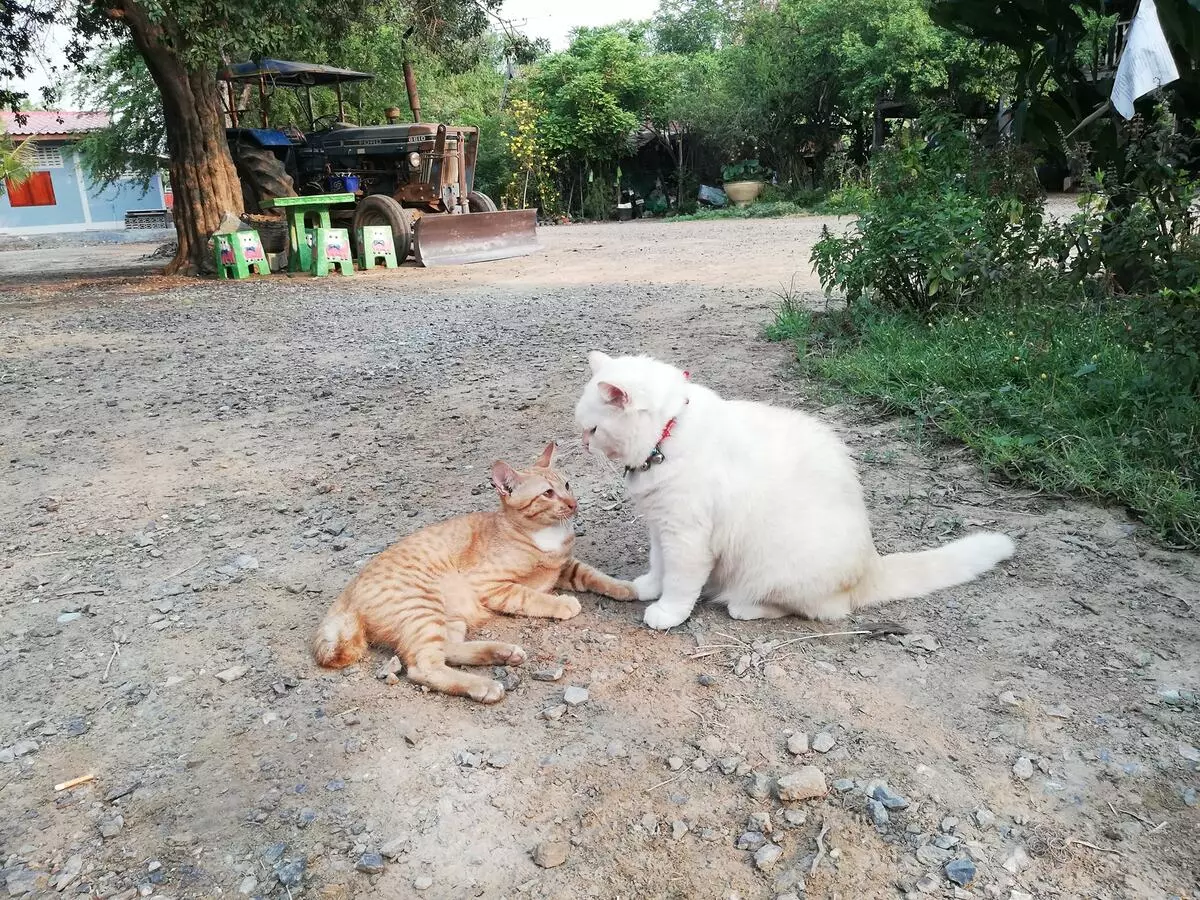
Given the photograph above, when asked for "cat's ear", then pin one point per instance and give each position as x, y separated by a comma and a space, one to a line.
547, 457
597, 359
504, 479
613, 395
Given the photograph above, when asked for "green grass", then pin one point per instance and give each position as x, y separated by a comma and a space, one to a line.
1056, 395
764, 210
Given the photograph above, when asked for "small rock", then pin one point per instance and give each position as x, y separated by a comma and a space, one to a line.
67, 617
247, 885
843, 785
1016, 861
468, 760
807, 783
1008, 698
750, 840
711, 745
509, 678
707, 681
949, 823
1125, 831
742, 666
233, 673
823, 742
679, 828
767, 856
926, 642
245, 562
141, 539
554, 713
305, 817
1023, 768
888, 799
550, 854
391, 678
729, 764
929, 883
795, 817
392, 667
879, 814
930, 855
422, 883
395, 847
273, 853
797, 743
1061, 711
759, 786
370, 863
701, 763
1019, 895
111, 826
551, 673
1190, 753
290, 872
617, 750
961, 871
674, 763
984, 817
575, 696
70, 871
759, 821
23, 748
21, 881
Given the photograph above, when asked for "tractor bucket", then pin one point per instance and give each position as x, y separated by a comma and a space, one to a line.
450, 240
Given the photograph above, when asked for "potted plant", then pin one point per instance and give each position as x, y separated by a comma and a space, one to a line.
744, 181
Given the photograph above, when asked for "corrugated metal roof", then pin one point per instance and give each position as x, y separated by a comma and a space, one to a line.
50, 122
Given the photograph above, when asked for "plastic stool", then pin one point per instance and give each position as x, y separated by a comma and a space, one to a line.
376, 246
333, 249
239, 255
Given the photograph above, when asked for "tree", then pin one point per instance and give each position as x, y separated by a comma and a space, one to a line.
183, 42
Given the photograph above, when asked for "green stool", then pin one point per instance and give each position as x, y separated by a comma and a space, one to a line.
376, 246
237, 254
332, 249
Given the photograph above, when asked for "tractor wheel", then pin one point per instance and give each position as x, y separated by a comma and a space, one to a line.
262, 175
477, 201
380, 209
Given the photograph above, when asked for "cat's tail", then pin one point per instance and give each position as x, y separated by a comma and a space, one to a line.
341, 640
903, 575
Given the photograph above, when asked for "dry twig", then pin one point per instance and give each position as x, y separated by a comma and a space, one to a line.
820, 848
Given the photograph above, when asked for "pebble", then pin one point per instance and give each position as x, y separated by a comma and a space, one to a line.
553, 673
1061, 711
843, 785
111, 827
806, 783
797, 743
929, 884
795, 817
67, 617
678, 829
961, 871
742, 666
759, 821
70, 871
711, 745
823, 742
554, 713
707, 681
949, 823
290, 872
1190, 753
370, 863
674, 763
575, 696
21, 881
701, 763
1023, 768
550, 854
759, 786
1019, 895
750, 840
395, 847
888, 799
468, 760
879, 814
246, 562
766, 858
1008, 698
247, 885
233, 673
19, 749
1016, 861
929, 855
305, 817
729, 765
422, 883
984, 817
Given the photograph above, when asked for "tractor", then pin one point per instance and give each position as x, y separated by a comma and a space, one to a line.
418, 177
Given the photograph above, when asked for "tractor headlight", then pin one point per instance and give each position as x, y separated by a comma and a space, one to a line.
414, 160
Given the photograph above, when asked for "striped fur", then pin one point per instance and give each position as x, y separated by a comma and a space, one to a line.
420, 595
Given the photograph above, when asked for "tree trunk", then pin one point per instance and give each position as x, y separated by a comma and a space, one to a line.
203, 177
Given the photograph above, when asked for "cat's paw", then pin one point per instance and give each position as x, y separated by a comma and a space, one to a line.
624, 590
647, 587
568, 607
661, 617
516, 657
487, 692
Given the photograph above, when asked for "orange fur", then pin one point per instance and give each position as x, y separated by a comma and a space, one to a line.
421, 595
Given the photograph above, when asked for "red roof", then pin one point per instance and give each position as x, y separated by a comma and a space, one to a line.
42, 123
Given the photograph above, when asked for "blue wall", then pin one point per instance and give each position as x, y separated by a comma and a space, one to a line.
106, 206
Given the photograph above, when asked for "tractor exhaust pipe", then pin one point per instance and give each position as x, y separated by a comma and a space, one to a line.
410, 84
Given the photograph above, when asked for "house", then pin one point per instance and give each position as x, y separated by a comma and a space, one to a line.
59, 197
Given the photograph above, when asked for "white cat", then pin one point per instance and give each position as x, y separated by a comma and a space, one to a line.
755, 506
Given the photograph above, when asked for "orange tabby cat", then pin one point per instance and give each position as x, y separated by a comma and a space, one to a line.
421, 595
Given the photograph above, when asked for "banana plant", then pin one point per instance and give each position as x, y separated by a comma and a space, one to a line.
15, 160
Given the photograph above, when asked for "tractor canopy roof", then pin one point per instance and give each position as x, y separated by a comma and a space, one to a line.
290, 74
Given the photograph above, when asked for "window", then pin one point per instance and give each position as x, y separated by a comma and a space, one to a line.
42, 157
36, 190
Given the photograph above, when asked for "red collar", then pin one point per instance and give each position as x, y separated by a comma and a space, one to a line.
656, 455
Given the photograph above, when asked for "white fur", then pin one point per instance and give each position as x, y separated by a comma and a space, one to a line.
758, 507
554, 538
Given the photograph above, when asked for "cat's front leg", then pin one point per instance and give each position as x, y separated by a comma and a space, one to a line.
517, 600
579, 576
650, 585
687, 563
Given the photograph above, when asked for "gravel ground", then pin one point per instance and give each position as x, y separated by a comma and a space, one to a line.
194, 469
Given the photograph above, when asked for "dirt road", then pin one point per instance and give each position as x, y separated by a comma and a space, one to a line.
193, 470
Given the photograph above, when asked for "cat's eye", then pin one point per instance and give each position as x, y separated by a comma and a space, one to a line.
568, 485
549, 492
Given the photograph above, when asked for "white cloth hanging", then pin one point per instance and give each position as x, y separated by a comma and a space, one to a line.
1146, 62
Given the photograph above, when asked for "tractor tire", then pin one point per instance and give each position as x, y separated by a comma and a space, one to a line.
262, 175
380, 209
477, 201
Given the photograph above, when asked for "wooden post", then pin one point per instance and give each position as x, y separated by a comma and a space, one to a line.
262, 98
